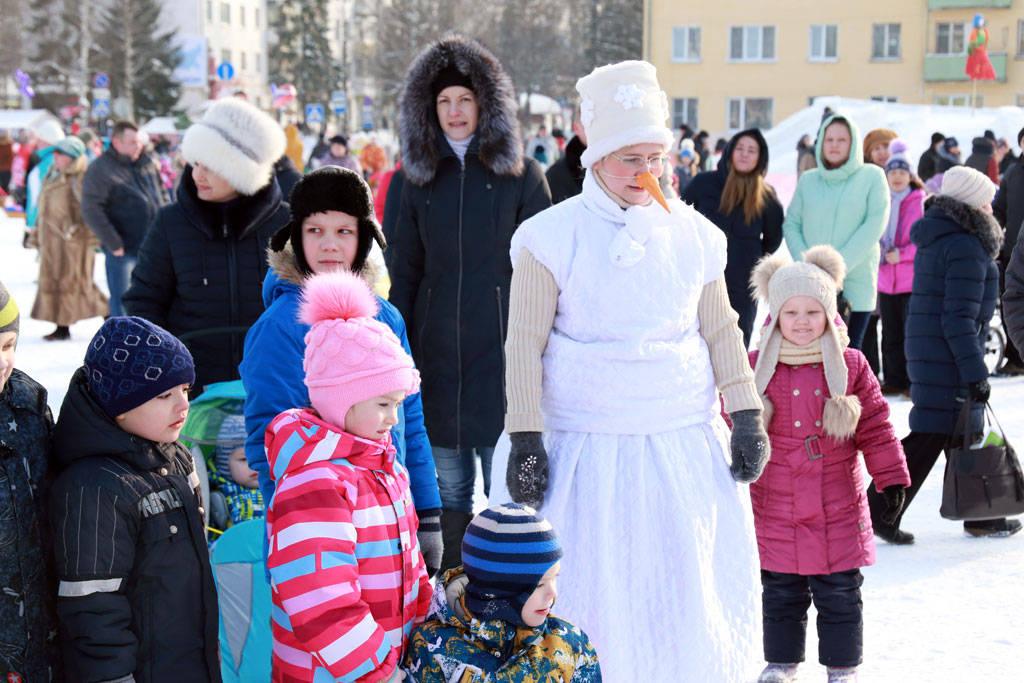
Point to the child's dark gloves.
(527, 473)
(980, 391)
(429, 535)
(894, 496)
(749, 444)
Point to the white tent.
(21, 119)
(540, 104)
(161, 125)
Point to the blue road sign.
(339, 102)
(100, 108)
(314, 113)
(101, 80)
(225, 71)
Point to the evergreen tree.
(139, 58)
(302, 54)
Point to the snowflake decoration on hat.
(587, 111)
(629, 96)
(664, 104)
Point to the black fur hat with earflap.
(330, 188)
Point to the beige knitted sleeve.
(531, 313)
(729, 359)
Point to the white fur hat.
(622, 105)
(236, 141)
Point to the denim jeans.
(857, 326)
(456, 475)
(119, 276)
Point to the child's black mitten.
(527, 473)
(894, 496)
(749, 444)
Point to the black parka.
(565, 177)
(1008, 207)
(136, 595)
(200, 273)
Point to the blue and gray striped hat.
(506, 551)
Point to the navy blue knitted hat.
(506, 551)
(131, 360)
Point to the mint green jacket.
(847, 208)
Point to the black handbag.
(981, 483)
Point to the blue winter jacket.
(272, 373)
(956, 285)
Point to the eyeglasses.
(639, 164)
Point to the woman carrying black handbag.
(956, 286)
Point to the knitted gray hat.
(9, 318)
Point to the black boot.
(60, 334)
(453, 528)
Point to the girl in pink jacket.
(348, 580)
(896, 271)
(822, 405)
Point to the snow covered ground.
(947, 609)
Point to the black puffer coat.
(746, 243)
(28, 604)
(137, 595)
(565, 177)
(956, 285)
(201, 270)
(1009, 205)
(450, 266)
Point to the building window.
(684, 110)
(750, 112)
(241, 58)
(824, 43)
(1020, 101)
(241, 15)
(225, 13)
(958, 100)
(885, 41)
(1020, 38)
(225, 56)
(209, 10)
(256, 17)
(257, 60)
(751, 43)
(951, 38)
(885, 98)
(686, 43)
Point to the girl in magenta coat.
(822, 405)
(896, 270)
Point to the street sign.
(367, 113)
(339, 102)
(314, 113)
(101, 80)
(101, 93)
(100, 108)
(225, 71)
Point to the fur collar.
(973, 221)
(283, 263)
(498, 138)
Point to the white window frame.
(209, 10)
(957, 100)
(741, 102)
(823, 30)
(885, 98)
(886, 38)
(964, 26)
(241, 61)
(681, 108)
(225, 55)
(225, 13)
(748, 49)
(241, 15)
(682, 44)
(256, 18)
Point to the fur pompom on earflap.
(762, 274)
(335, 295)
(829, 260)
(841, 415)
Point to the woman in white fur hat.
(203, 259)
(620, 338)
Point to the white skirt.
(660, 563)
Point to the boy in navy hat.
(136, 599)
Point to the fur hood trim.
(283, 263)
(498, 138)
(974, 221)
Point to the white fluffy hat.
(969, 186)
(236, 141)
(622, 105)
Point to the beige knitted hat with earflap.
(819, 275)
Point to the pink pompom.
(898, 146)
(337, 294)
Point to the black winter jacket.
(28, 604)
(1009, 205)
(565, 177)
(956, 285)
(200, 273)
(746, 243)
(136, 594)
(120, 198)
(927, 163)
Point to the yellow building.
(733, 64)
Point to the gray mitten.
(749, 444)
(527, 473)
(431, 542)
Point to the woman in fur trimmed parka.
(822, 405)
(466, 188)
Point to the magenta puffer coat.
(898, 278)
(810, 505)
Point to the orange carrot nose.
(650, 183)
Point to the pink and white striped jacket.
(347, 577)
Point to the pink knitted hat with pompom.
(350, 357)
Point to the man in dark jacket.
(201, 267)
(1009, 211)
(136, 600)
(565, 177)
(121, 193)
(930, 157)
(983, 158)
(1004, 155)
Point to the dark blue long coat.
(956, 285)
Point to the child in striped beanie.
(491, 618)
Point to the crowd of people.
(527, 327)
